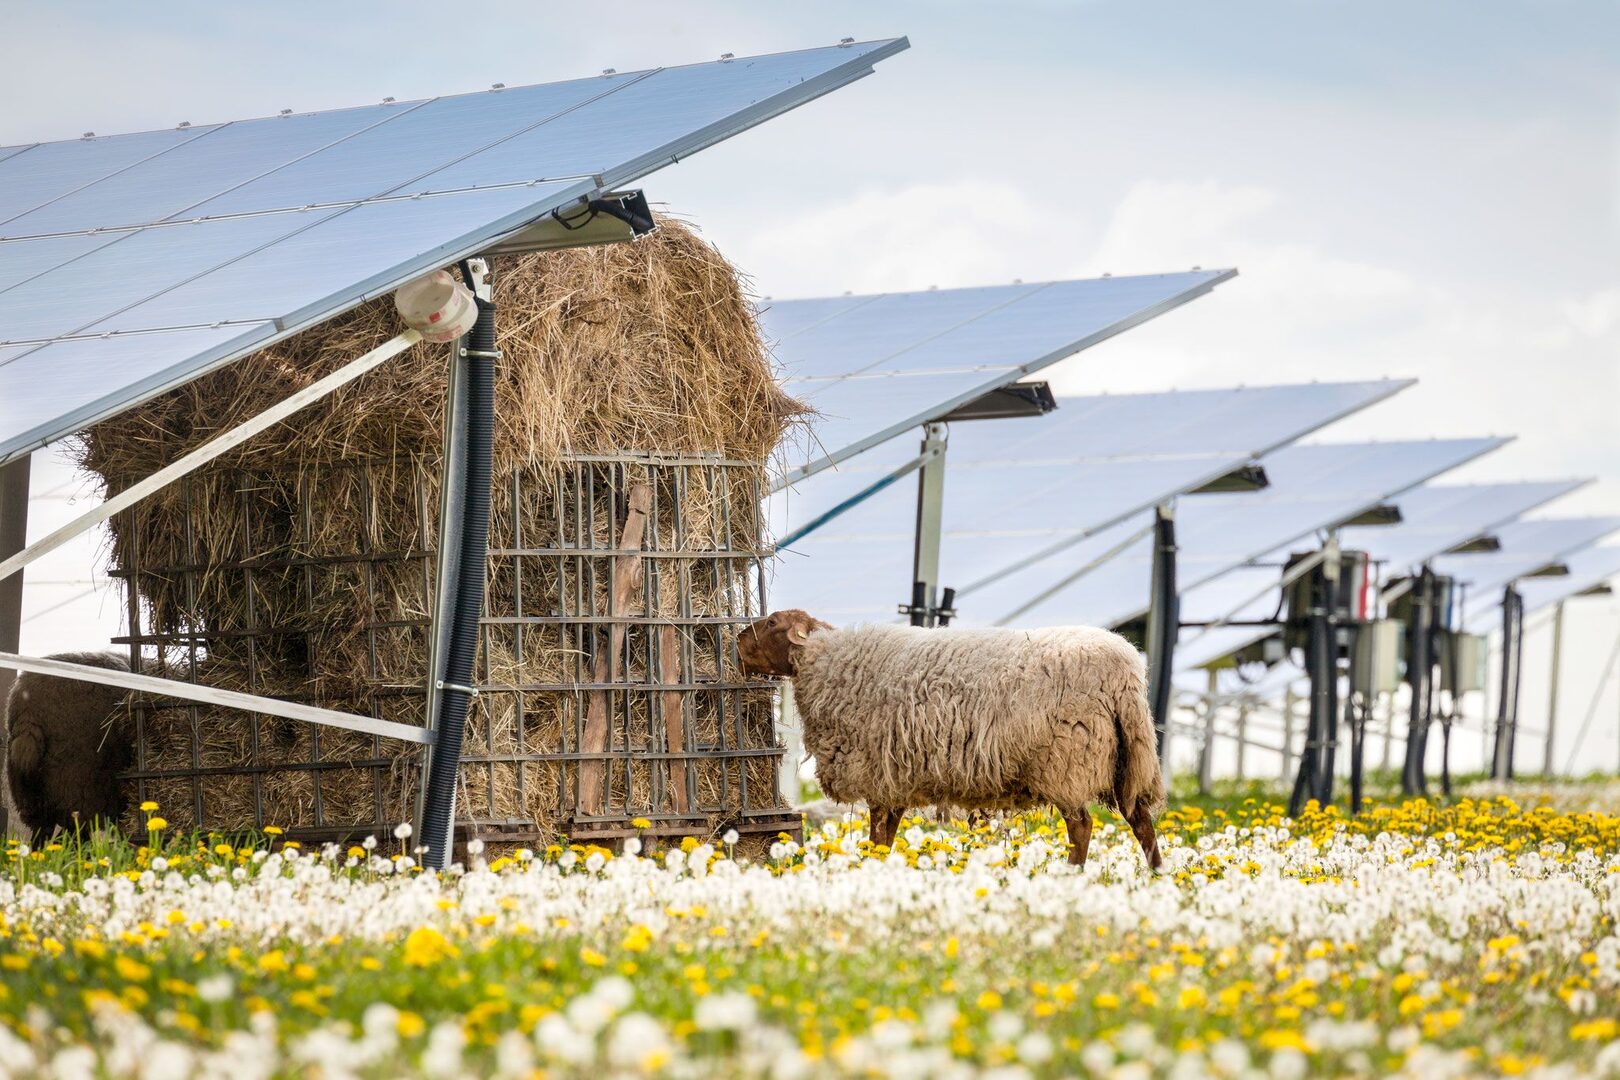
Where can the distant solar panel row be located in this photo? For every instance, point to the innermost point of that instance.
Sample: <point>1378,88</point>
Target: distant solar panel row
<point>1017,488</point>
<point>132,263</point>
<point>1527,546</point>
<point>1587,569</point>
<point>1434,518</point>
<point>1312,487</point>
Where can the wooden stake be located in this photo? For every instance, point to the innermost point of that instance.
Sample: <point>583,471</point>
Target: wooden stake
<point>669,671</point>
<point>605,666</point>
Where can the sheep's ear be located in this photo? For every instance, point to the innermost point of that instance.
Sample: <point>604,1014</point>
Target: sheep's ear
<point>799,634</point>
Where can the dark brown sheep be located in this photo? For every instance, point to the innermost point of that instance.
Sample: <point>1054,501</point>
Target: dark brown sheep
<point>62,761</point>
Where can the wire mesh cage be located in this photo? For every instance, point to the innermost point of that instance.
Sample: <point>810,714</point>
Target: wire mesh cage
<point>608,681</point>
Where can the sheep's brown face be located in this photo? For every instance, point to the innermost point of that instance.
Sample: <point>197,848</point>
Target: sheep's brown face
<point>769,646</point>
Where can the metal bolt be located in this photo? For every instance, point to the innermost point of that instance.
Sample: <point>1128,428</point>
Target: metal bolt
<point>845,41</point>
<point>184,124</point>
<point>726,57</point>
<point>387,101</point>
<point>610,71</point>
<point>88,135</point>
<point>286,112</point>
<point>497,86</point>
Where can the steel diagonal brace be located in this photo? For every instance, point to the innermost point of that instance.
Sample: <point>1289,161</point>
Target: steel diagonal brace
<point>210,450</point>
<point>232,699</point>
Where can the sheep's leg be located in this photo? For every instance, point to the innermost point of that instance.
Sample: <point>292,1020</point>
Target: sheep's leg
<point>1142,825</point>
<point>885,823</point>
<point>1079,823</point>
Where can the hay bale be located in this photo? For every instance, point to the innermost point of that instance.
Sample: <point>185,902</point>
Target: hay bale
<point>300,565</point>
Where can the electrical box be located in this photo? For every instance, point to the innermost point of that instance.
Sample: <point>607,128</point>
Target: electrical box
<point>1377,661</point>
<point>1358,595</point>
<point>1355,596</point>
<point>1462,663</point>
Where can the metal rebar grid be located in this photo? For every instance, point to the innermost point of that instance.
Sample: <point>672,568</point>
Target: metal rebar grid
<point>597,704</point>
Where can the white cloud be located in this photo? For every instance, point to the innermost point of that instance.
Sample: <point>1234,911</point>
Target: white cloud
<point>967,232</point>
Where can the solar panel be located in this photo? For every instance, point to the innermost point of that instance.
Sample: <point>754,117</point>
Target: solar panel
<point>1591,567</point>
<point>1312,487</point>
<point>1014,488</point>
<point>1527,546</point>
<point>1438,517</point>
<point>1434,518</point>
<point>130,264</point>
<point>877,366</point>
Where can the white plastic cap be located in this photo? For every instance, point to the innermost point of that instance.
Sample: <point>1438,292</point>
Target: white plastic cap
<point>437,306</point>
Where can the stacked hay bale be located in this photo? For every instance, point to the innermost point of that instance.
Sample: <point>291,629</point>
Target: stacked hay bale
<point>636,412</point>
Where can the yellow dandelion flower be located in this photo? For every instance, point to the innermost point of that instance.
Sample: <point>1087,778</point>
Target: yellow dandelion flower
<point>425,946</point>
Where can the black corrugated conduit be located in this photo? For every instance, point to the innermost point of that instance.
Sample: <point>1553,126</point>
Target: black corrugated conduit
<point>1161,650</point>
<point>455,696</point>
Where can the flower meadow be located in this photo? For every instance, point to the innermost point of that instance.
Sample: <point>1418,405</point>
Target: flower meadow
<point>1472,939</point>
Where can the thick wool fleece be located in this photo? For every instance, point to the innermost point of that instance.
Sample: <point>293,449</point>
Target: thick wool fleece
<point>991,719</point>
<point>62,760</point>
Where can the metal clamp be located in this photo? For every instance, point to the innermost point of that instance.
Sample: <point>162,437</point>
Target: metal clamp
<point>471,691</point>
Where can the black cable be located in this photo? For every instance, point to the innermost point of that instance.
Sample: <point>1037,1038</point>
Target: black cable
<point>455,697</point>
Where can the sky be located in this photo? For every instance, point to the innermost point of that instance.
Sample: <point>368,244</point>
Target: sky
<point>1422,190</point>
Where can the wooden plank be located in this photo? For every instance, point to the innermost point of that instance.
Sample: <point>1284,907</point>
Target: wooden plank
<point>605,665</point>
<point>669,703</point>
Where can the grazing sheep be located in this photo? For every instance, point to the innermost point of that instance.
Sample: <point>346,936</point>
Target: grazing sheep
<point>981,719</point>
<point>62,761</point>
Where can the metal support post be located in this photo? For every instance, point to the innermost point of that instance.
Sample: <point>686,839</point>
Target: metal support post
<point>1507,706</point>
<point>1289,697</point>
<point>1552,691</point>
<point>1242,736</point>
<point>463,550</point>
<point>1419,672</point>
<point>787,778</point>
<point>1314,779</point>
<point>924,605</point>
<point>1163,624</point>
<point>14,477</point>
<point>1206,755</point>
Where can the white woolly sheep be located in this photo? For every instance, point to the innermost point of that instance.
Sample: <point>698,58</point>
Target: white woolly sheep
<point>901,716</point>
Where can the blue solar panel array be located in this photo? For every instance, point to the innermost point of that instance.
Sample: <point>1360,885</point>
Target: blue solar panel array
<point>1015,488</point>
<point>1434,518</point>
<point>131,263</point>
<point>1312,487</point>
<point>877,366</point>
<point>1527,546</point>
<point>1588,568</point>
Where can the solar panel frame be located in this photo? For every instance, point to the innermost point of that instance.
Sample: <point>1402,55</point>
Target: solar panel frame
<point>825,70</point>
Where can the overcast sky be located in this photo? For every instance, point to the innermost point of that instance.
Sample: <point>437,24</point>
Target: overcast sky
<point>1407,189</point>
